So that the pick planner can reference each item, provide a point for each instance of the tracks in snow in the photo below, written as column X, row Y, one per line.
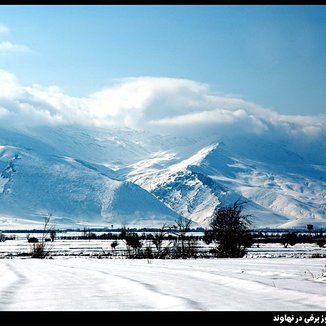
column 89, row 284
column 11, row 280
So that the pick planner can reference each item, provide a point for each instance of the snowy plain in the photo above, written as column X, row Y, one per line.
column 90, row 284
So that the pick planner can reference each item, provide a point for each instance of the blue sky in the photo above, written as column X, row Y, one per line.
column 271, row 55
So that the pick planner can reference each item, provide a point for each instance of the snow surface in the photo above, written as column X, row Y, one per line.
column 78, row 284
column 125, row 176
column 38, row 180
column 279, row 194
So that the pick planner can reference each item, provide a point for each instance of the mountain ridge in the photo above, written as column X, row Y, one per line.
column 125, row 176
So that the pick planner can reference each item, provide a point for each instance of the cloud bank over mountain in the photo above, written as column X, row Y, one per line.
column 175, row 146
column 159, row 104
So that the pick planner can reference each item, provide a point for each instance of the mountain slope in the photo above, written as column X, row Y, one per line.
column 33, row 184
column 287, row 194
column 124, row 176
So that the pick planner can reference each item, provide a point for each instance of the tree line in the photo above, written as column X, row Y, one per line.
column 229, row 236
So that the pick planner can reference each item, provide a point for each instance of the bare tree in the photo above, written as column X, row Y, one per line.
column 114, row 244
column 158, row 240
column 230, row 230
column 133, row 241
column 41, row 249
column 182, row 227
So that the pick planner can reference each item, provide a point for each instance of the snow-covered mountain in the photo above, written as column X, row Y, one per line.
column 118, row 176
column 37, row 179
column 286, row 192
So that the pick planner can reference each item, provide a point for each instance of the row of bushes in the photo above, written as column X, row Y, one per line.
column 229, row 231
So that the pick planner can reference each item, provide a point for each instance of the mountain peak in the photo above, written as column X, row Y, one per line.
column 125, row 176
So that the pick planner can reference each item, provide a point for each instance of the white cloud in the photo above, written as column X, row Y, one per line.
column 9, row 86
column 4, row 29
column 8, row 47
column 157, row 104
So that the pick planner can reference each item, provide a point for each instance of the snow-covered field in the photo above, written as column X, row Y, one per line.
column 76, row 284
column 20, row 247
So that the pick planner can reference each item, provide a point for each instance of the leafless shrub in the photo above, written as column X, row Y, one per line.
column 41, row 248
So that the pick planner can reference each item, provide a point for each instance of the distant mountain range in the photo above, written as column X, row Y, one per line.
column 120, row 176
